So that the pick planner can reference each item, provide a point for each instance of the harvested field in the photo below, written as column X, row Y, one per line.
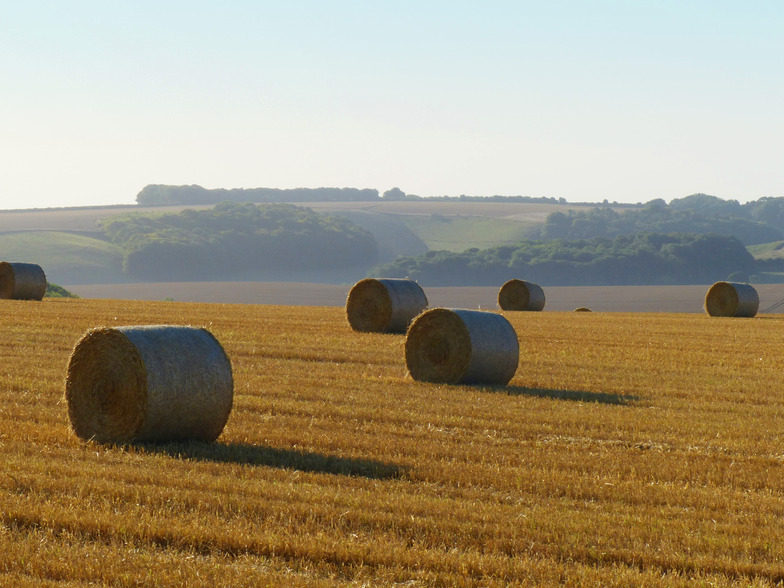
column 628, row 449
column 598, row 298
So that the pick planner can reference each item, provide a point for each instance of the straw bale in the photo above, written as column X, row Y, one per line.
column 22, row 281
column 731, row 299
column 385, row 305
column 148, row 383
column 582, row 309
column 521, row 295
column 462, row 347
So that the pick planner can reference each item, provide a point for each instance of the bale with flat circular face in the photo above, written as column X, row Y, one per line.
column 732, row 299
column 22, row 281
column 148, row 383
column 520, row 295
column 462, row 347
column 385, row 305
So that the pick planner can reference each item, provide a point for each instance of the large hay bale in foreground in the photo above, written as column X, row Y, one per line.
column 385, row 305
column 462, row 347
column 731, row 299
column 22, row 281
column 148, row 383
column 521, row 295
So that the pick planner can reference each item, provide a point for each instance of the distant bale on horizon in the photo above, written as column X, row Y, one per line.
column 384, row 305
column 521, row 295
column 22, row 281
column 582, row 309
column 732, row 299
column 148, row 383
column 462, row 347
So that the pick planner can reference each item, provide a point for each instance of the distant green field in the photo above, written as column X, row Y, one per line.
column 66, row 258
column 458, row 233
column 767, row 250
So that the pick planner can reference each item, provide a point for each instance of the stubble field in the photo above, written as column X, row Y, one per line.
column 629, row 449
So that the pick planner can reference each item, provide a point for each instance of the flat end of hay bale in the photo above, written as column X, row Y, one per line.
column 368, row 306
column 438, row 347
column 730, row 299
column 520, row 295
column 106, row 387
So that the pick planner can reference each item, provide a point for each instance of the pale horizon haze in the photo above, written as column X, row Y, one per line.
column 620, row 100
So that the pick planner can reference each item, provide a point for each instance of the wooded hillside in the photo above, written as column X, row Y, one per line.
column 235, row 237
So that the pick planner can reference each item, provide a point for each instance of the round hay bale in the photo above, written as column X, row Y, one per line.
column 384, row 305
column 731, row 299
column 148, row 383
column 582, row 309
column 462, row 347
column 520, row 295
column 22, row 281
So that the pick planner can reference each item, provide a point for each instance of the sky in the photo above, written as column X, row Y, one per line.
column 620, row 100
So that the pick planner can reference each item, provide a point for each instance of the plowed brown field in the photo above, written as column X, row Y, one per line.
column 600, row 298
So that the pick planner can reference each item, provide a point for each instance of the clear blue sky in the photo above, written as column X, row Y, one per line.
column 623, row 100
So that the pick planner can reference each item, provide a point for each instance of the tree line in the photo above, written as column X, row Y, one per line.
column 233, row 237
column 641, row 259
column 162, row 195
column 159, row 194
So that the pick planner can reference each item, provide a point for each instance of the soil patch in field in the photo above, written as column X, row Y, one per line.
column 688, row 299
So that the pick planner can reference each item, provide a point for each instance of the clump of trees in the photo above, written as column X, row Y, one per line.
column 55, row 291
column 645, row 258
column 233, row 237
column 159, row 194
column 698, row 213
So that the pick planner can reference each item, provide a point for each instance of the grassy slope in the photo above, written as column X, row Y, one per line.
column 767, row 250
column 66, row 257
column 651, row 456
column 458, row 233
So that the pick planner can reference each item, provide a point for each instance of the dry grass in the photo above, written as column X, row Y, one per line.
column 628, row 450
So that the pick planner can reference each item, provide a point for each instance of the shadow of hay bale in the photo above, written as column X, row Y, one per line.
column 257, row 455
column 573, row 395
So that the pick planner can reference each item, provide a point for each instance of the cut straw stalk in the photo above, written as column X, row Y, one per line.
column 22, row 281
column 149, row 383
column 521, row 295
column 462, row 347
column 385, row 305
column 732, row 299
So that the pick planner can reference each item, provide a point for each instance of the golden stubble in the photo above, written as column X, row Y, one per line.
column 627, row 449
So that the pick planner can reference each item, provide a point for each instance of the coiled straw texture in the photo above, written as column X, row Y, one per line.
column 462, row 347
column 384, row 305
column 521, row 295
column 148, row 383
column 732, row 299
